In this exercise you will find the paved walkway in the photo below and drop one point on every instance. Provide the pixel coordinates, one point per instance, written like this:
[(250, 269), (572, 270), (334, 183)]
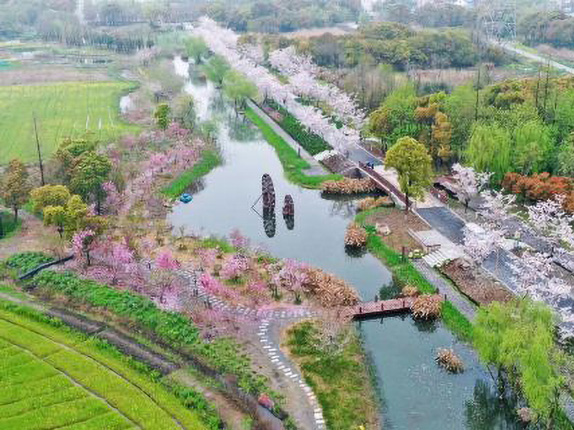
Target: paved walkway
[(445, 288), (316, 167)]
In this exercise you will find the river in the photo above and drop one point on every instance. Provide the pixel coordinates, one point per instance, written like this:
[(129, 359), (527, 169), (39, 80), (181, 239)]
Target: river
[(414, 393)]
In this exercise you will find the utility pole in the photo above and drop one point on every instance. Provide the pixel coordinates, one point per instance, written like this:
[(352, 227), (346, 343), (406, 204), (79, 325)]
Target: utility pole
[(39, 152)]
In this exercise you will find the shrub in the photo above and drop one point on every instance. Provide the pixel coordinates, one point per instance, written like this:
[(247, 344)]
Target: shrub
[(447, 359), (355, 235), (312, 143), (427, 307)]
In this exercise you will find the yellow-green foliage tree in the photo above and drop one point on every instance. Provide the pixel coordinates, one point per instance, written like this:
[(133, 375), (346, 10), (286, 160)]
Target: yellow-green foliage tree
[(49, 195), (412, 162), (517, 340), (15, 187), (71, 217)]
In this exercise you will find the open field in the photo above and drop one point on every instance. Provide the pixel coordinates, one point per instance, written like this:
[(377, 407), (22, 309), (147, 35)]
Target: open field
[(62, 110), (54, 378)]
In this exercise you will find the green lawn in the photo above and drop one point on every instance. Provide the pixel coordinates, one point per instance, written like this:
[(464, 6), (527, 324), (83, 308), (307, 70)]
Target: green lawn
[(62, 109), (52, 377)]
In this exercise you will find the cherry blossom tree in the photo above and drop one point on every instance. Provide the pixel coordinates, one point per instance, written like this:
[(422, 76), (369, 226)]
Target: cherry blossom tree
[(479, 243), (470, 182), (223, 42), (548, 219), (82, 245)]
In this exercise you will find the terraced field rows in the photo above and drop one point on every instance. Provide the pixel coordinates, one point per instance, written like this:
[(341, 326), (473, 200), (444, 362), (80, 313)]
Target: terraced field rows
[(62, 110), (50, 378)]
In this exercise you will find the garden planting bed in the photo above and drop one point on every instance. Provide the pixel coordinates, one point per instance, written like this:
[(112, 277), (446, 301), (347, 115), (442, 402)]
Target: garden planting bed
[(477, 286), (399, 225)]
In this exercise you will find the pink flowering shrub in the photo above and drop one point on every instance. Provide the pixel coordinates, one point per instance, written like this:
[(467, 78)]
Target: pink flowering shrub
[(113, 197), (166, 261), (207, 257), (238, 240), (213, 286), (234, 267)]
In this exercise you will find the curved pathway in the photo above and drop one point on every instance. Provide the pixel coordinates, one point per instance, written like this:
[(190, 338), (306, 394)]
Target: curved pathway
[(271, 323)]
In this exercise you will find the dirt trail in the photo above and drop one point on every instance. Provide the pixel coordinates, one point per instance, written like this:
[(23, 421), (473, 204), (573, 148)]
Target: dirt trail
[(30, 237)]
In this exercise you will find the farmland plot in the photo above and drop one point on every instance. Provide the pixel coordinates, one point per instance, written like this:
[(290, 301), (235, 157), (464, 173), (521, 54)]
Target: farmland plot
[(51, 378), (67, 109)]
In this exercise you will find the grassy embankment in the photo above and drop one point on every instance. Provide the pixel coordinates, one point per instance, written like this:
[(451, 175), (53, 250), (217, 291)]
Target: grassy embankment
[(61, 109), (338, 380), (293, 165), (56, 377), (210, 160), (406, 274)]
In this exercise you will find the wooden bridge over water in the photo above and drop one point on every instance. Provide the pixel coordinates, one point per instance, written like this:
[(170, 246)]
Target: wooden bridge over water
[(382, 308), (383, 184)]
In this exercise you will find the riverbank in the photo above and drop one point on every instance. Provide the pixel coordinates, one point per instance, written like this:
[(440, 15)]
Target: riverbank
[(339, 376), (406, 274), (293, 165), (210, 159)]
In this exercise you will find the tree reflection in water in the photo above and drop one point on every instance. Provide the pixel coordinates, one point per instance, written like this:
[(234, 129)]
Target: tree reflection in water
[(487, 411)]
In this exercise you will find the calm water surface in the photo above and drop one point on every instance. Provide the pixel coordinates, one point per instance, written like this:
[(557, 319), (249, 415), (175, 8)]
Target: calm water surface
[(414, 392)]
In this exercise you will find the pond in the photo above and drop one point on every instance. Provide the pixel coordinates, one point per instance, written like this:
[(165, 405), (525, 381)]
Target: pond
[(414, 392)]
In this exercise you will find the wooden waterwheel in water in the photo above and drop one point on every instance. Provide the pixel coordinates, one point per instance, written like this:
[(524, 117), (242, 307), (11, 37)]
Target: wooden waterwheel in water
[(267, 192)]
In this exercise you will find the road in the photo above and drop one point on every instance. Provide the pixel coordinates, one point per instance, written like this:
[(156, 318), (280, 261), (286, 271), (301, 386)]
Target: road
[(531, 56)]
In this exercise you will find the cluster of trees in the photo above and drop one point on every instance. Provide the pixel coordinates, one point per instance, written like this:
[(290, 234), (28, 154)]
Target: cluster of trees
[(276, 16), (540, 187), (398, 45), (429, 14), (518, 126), (555, 28), (18, 18)]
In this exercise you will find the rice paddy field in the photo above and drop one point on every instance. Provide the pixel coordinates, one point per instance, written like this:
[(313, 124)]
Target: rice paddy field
[(62, 110), (51, 377)]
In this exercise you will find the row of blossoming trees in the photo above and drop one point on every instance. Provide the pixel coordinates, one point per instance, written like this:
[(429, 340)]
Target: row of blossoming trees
[(546, 222), (249, 60)]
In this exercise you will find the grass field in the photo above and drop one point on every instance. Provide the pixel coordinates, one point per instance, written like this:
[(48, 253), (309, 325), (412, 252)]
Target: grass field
[(62, 110), (52, 377)]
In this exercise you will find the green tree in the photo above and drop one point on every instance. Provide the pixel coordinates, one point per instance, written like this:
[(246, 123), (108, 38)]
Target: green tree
[(460, 108), (49, 195), (238, 88), (88, 176), (412, 162), (566, 157), (15, 187), (532, 146), (71, 217), (517, 339), (489, 150), (184, 111), (196, 48), (215, 69), (161, 115), (396, 116)]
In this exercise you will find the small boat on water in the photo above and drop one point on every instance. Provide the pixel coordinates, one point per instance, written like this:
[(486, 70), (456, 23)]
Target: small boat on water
[(185, 198)]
